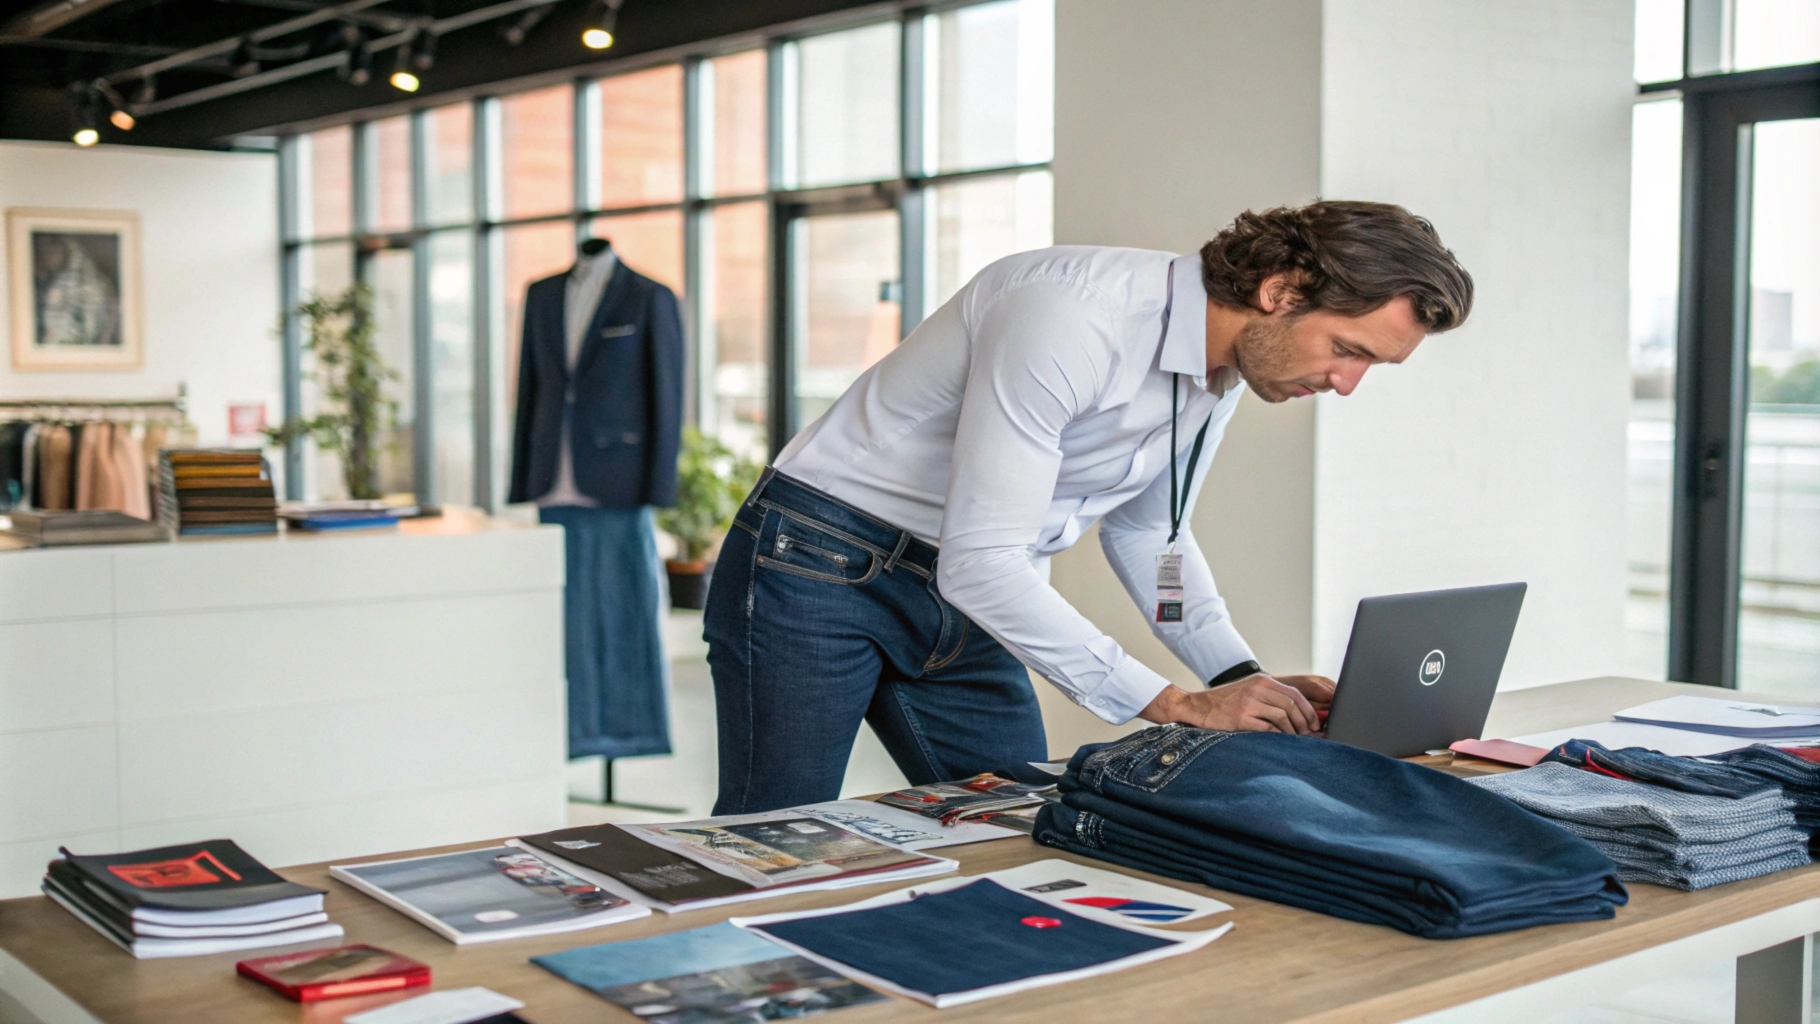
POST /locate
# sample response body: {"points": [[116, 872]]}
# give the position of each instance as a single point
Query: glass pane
{"points": [[1779, 624], [1771, 33], [450, 150], [846, 309], [326, 269], [391, 164], [979, 220], [846, 106], [737, 382], [1655, 246], [452, 363], [390, 273], [738, 142], [993, 67], [530, 252], [641, 136], [1660, 27], [650, 243], [538, 174], [328, 208]]}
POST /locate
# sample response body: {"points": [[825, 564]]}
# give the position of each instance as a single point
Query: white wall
{"points": [[1498, 451], [209, 238]]}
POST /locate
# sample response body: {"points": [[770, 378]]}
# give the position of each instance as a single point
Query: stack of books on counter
{"points": [[61, 528], [319, 516], [216, 491], [189, 900]]}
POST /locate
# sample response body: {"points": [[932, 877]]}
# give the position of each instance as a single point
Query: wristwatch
{"points": [[1235, 673]]}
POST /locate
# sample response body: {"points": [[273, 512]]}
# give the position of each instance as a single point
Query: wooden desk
{"points": [[1278, 964]]}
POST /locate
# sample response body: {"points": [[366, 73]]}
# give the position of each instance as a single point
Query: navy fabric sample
{"points": [[1735, 773], [612, 651], [1326, 827], [820, 617], [962, 939]]}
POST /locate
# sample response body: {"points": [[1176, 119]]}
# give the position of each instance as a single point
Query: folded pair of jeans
{"points": [[1656, 834], [1735, 773], [1326, 827]]}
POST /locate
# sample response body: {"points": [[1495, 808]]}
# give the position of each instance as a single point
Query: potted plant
{"points": [[351, 378], [711, 481]]}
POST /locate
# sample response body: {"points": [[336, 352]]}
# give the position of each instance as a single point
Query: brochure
{"points": [[707, 976], [780, 848], [986, 793], [971, 942], [145, 947], [907, 829], [1090, 892], [499, 892]]}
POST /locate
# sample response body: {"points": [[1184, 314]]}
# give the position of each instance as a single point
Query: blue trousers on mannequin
{"points": [[612, 648], [819, 617]]}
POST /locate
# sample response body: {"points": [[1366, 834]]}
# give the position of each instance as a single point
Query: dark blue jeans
{"points": [[820, 616], [1326, 827]]}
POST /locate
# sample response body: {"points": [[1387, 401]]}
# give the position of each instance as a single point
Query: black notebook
{"points": [[212, 875]]}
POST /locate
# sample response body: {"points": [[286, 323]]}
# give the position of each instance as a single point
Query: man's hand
{"points": [[1256, 703]]}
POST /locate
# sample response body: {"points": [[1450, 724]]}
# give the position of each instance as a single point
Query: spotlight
{"points": [[87, 133], [358, 68], [118, 116], [402, 79], [518, 31], [86, 137], [244, 61], [599, 35], [423, 48]]}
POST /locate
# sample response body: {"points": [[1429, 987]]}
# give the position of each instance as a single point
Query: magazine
{"points": [[949, 802], [776, 848], [707, 976], [907, 829], [1096, 893], [500, 892]]}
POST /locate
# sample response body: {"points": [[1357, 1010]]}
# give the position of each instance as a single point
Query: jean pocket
{"points": [[1148, 760], [799, 549]]}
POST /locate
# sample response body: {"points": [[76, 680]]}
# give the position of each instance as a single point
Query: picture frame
{"points": [[73, 285]]}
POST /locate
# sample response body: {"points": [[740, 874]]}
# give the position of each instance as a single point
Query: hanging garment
{"points": [[98, 483], [12, 463], [129, 465], [56, 467], [612, 649], [1326, 827], [28, 454]]}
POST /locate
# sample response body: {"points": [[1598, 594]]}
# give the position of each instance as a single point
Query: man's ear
{"points": [[1278, 293]]}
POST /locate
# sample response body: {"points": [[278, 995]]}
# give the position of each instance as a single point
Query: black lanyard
{"points": [[1178, 494]]}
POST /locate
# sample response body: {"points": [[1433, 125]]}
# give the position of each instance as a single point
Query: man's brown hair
{"points": [[1348, 257]]}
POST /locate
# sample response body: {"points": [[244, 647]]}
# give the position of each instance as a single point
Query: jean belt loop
{"points": [[903, 541], [759, 489]]}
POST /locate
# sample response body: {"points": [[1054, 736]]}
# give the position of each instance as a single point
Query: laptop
{"points": [[1421, 669]]}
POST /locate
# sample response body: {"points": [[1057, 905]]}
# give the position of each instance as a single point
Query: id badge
{"points": [[1169, 588]]}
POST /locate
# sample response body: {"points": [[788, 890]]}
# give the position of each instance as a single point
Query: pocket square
{"points": [[623, 330]]}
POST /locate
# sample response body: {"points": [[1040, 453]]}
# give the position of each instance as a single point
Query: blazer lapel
{"points": [[610, 299], [551, 317]]}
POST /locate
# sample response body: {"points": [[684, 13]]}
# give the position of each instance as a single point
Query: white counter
{"points": [[310, 697]]}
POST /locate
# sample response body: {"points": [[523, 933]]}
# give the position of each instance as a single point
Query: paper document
{"points": [[1727, 717], [1090, 892], [1617, 735], [776, 847], [899, 827]]}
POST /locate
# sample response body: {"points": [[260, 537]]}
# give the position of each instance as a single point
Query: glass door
{"points": [[845, 310], [1779, 593]]}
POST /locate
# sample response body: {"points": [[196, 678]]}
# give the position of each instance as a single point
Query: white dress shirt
{"points": [[1028, 407], [580, 298]]}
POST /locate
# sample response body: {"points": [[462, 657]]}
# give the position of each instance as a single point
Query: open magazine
{"points": [[984, 797]]}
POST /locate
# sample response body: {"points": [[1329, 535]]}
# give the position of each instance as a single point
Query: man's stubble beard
{"points": [[1264, 357]]}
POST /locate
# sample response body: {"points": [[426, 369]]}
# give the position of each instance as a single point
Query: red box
{"points": [[356, 970]]}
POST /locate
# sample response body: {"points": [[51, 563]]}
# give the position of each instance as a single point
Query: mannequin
{"points": [[597, 432]]}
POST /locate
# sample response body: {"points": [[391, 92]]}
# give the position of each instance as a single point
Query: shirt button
{"points": [[1168, 758]]}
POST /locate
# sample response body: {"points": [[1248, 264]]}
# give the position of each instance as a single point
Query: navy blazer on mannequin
{"points": [[626, 428]]}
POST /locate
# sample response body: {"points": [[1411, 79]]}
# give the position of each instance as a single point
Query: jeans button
{"points": [[1168, 758]]}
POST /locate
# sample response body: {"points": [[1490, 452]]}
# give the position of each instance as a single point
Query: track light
{"points": [[519, 30], [402, 78], [358, 68], [118, 116], [599, 35], [86, 136], [244, 61], [87, 132], [148, 91], [418, 54]]}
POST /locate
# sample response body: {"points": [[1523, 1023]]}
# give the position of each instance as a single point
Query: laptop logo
{"points": [[1433, 664]]}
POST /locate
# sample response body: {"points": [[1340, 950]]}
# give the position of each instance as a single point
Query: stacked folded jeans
{"points": [[1671, 837], [1325, 827], [1735, 773]]}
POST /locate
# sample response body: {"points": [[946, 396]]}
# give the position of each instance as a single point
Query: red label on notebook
{"points": [[170, 874]]}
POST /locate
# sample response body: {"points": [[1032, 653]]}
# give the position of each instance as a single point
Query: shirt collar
{"points": [[1185, 342]]}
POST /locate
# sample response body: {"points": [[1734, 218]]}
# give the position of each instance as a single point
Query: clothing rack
{"points": [[97, 410]]}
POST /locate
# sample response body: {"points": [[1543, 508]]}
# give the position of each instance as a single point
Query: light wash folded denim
{"points": [[1327, 827], [1734, 773]]}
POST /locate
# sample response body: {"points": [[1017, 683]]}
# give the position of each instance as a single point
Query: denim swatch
{"points": [[1326, 827]]}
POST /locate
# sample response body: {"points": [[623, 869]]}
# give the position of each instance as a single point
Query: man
{"points": [[893, 565]]}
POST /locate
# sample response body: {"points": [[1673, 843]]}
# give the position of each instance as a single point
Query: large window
{"points": [[802, 251]]}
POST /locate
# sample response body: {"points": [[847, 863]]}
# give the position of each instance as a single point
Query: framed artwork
{"points": [[74, 289]]}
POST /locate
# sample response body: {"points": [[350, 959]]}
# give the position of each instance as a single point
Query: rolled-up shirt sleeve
{"points": [[1042, 352], [1133, 534]]}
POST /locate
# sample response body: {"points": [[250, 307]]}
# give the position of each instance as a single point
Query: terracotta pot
{"points": [[688, 583]]}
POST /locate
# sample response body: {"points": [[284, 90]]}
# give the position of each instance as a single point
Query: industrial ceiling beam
{"points": [[49, 17]]}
